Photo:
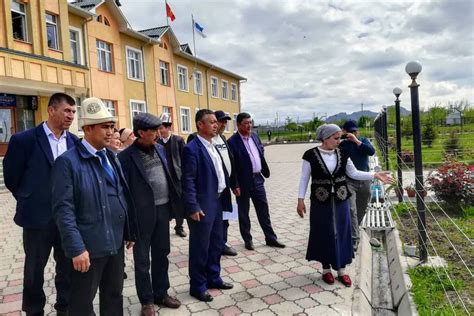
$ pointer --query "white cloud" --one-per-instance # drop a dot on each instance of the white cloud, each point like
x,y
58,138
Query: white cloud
x,y
304,57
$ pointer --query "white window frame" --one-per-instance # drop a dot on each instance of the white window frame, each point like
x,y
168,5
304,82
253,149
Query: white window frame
x,y
80,55
225,89
214,87
234,121
107,55
164,73
131,102
188,123
227,126
24,20
53,23
135,62
185,76
197,89
233,92
110,104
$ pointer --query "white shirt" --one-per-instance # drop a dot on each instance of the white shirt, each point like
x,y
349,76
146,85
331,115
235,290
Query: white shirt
x,y
224,151
330,159
165,140
58,146
216,161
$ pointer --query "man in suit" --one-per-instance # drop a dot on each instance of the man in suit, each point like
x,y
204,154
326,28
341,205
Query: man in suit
x,y
251,167
206,195
94,213
27,171
145,167
223,147
173,145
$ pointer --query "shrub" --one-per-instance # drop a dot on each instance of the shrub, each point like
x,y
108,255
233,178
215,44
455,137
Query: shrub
x,y
453,182
428,135
452,145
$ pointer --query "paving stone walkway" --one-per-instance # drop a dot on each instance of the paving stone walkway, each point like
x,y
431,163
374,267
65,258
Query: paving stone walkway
x,y
267,281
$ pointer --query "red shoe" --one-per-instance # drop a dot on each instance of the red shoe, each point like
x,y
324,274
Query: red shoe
x,y
328,278
345,279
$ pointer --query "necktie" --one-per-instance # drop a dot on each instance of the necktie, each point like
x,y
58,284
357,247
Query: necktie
x,y
105,163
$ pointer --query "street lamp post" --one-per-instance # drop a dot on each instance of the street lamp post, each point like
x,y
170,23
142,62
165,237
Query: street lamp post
x,y
413,68
385,135
397,92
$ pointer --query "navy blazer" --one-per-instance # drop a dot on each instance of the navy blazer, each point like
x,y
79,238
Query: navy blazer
x,y
27,169
199,181
140,187
242,162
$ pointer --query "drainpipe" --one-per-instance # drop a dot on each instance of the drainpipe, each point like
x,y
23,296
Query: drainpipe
x,y
144,73
85,35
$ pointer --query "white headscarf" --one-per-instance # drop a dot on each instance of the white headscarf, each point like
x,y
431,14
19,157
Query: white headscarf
x,y
326,130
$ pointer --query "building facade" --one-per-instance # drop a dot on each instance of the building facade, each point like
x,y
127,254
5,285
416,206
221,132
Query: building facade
x,y
87,48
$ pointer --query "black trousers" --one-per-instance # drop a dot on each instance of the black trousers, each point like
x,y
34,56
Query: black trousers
x,y
105,274
37,244
225,230
158,241
179,223
259,199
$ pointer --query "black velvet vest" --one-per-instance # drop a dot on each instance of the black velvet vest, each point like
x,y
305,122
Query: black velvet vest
x,y
323,183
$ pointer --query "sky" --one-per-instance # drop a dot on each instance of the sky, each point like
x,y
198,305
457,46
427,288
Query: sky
x,y
306,58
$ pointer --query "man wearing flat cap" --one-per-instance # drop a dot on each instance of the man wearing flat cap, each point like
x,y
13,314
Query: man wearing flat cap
x,y
359,149
94,213
154,194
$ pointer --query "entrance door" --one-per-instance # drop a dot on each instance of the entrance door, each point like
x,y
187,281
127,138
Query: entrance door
x,y
7,127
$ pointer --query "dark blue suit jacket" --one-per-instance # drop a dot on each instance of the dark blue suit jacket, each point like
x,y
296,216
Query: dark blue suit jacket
x,y
27,171
199,181
140,187
243,165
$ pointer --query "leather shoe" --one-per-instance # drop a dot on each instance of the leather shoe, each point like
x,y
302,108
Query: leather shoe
x,y
147,310
229,251
345,279
168,301
180,232
249,245
328,278
203,297
222,286
275,243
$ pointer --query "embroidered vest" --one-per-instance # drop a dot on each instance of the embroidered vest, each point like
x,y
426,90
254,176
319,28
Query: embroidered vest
x,y
323,182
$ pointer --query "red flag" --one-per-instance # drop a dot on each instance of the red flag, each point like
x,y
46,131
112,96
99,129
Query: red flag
x,y
170,13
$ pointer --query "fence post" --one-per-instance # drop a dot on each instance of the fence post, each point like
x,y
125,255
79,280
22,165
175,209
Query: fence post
x,y
413,69
385,135
397,92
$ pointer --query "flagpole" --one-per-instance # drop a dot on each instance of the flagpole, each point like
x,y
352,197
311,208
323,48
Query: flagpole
x,y
195,59
166,12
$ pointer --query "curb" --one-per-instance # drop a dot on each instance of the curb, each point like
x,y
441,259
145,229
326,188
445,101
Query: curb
x,y
362,297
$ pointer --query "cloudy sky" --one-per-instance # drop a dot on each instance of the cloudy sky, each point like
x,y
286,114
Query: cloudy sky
x,y
313,57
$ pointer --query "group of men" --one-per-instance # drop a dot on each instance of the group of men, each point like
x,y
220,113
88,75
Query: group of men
x,y
88,204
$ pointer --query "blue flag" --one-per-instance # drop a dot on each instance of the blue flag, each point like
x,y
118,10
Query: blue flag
x,y
199,29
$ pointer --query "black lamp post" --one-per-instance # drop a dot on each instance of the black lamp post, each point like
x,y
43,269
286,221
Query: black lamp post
x,y
413,68
397,92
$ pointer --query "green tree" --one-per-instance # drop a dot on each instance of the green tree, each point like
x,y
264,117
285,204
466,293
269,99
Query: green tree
x,y
428,134
363,120
452,145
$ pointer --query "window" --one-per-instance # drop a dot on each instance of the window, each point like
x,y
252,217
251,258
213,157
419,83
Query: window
x,y
227,126
235,122
18,11
197,82
109,104
233,92
167,110
214,87
52,31
134,64
182,78
185,120
225,90
75,42
164,73
136,107
104,56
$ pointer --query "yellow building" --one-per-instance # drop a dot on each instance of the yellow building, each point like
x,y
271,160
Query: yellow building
x,y
86,48
37,59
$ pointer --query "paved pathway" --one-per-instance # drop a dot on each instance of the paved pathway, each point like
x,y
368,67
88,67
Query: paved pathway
x,y
266,281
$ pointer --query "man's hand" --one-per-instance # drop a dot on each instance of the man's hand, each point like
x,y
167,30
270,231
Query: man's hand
x,y
301,208
82,263
353,138
197,216
236,191
129,244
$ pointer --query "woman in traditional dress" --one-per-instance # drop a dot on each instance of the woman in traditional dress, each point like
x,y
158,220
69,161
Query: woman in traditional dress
x,y
330,240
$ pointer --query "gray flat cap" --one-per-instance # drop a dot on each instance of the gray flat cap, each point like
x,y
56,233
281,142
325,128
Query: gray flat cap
x,y
144,121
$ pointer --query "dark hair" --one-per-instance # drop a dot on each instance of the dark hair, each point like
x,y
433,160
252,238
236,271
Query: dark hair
x,y
57,98
201,113
121,131
242,116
